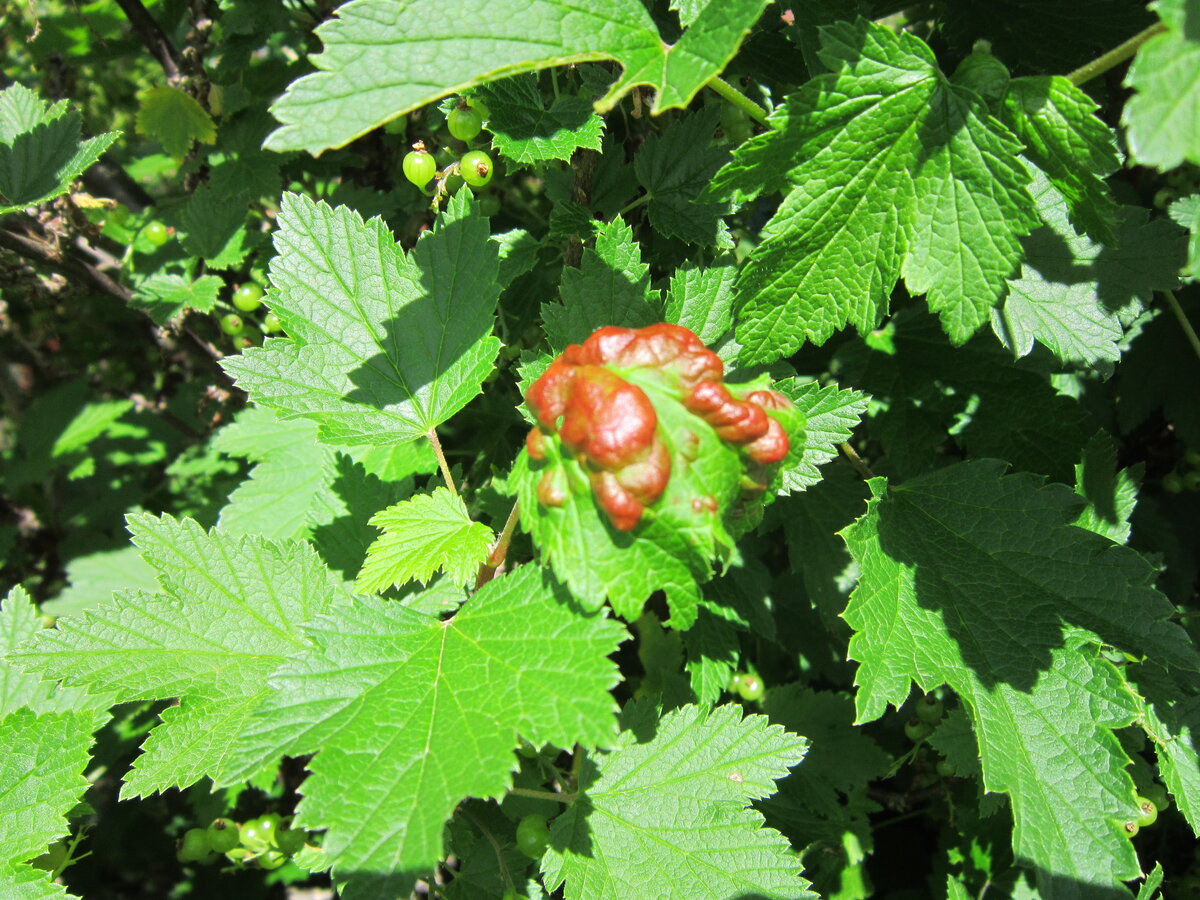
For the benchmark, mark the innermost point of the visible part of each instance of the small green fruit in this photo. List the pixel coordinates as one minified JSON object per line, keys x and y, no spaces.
{"x":195,"y":846}
{"x":1147,"y":812}
{"x":916,"y":730}
{"x":272,"y":859}
{"x":946,"y":769}
{"x":248,"y":297}
{"x":476,"y":168}
{"x":419,"y":167}
{"x":1157,"y":794}
{"x":464,"y":123}
{"x":271,"y":323}
{"x":533,"y":836}
{"x":1131,"y":829}
{"x":223,"y":835}
{"x":156,"y":233}
{"x":232,"y":324}
{"x":749,"y":687}
{"x":259,"y":834}
{"x":291,"y":840}
{"x":930,"y":709}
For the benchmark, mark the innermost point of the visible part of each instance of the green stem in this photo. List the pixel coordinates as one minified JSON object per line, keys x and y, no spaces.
{"x":441,"y":458}
{"x":1115,"y":56}
{"x":542,"y":795}
{"x":634,"y":204}
{"x":491,"y":839}
{"x":1188,"y":330}
{"x":495,"y":559}
{"x":855,"y":460}
{"x":722,"y":87}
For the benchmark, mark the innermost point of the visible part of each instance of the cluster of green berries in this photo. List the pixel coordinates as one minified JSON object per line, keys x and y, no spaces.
{"x":475,"y":167}
{"x":1150,"y":802}
{"x":247,"y":299}
{"x":1189,"y":479}
{"x":747,"y":685}
{"x":265,"y":842}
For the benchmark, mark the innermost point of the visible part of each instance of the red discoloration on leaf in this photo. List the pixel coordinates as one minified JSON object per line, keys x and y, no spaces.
{"x":772,"y":447}
{"x":610,"y":426}
{"x":550,"y":490}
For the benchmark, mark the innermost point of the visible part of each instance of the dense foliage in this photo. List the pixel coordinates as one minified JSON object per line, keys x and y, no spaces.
{"x":599,"y":450}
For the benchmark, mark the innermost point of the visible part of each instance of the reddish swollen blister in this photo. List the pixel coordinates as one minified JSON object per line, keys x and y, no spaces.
{"x":610,"y":427}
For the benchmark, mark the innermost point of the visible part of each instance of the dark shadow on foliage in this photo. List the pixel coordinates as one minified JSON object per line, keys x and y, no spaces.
{"x":31,"y":165}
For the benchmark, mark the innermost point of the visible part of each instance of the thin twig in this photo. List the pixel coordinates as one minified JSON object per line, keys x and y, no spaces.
{"x":69,"y":263}
{"x":441,"y":458}
{"x":147,"y":28}
{"x":1186,"y":325}
{"x":1115,"y":56}
{"x":855,"y":460}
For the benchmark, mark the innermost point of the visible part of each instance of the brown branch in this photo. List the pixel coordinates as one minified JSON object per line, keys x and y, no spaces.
{"x":147,"y":28}
{"x":68,"y":264}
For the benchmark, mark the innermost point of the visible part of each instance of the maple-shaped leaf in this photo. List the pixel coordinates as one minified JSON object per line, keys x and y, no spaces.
{"x":41,"y":779}
{"x":669,"y":817}
{"x":1162,"y":118}
{"x":382,"y":345}
{"x":164,"y":295}
{"x":409,"y":714}
{"x":425,"y":534}
{"x":610,"y":287}
{"x":526,"y":131}
{"x":378,"y":57}
{"x":19,"y":621}
{"x":893,"y":170}
{"x":674,"y":167}
{"x":1057,"y":123}
{"x":40,"y":150}
{"x":977,"y":580}
{"x":229,"y":613}
{"x":1072,"y":293}
{"x":175,"y":119}
{"x":643,"y":466}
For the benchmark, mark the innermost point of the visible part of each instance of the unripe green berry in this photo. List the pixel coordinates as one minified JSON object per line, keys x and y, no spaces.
{"x":946,"y":769}
{"x":1131,"y":829}
{"x":916,"y":730}
{"x":156,"y":233}
{"x":419,"y":167}
{"x":1157,"y":794}
{"x":930,"y":709}
{"x":272,"y":859}
{"x":476,"y":168}
{"x":271,"y":323}
{"x":749,"y":687}
{"x":533,"y":836}
{"x":231,"y":324}
{"x":464,"y":123}
{"x":1147,"y":812}
{"x":291,"y":840}
{"x":223,"y":835}
{"x":195,"y":846}
{"x":248,"y":297}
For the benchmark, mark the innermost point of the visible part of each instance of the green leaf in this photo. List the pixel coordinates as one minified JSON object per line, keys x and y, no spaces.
{"x":1172,"y":721}
{"x":1057,"y":123}
{"x":701,"y":299}
{"x":41,"y":780}
{"x":377,"y":58}
{"x":229,"y":614}
{"x":163,"y":295}
{"x":19,"y":621}
{"x":673,"y":167}
{"x":93,"y":578}
{"x":1111,"y":493}
{"x":611,"y":287}
{"x":1162,"y":118}
{"x":175,"y":119}
{"x":670,"y":817}
{"x":40,"y":150}
{"x":214,"y":226}
{"x":382,"y":345}
{"x":830,"y":415}
{"x":426,"y":534}
{"x":1073,"y":294}
{"x":435,"y":708}
{"x":1186,"y":212}
{"x":978,"y":581}
{"x":893,"y":170}
{"x":526,"y":132}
